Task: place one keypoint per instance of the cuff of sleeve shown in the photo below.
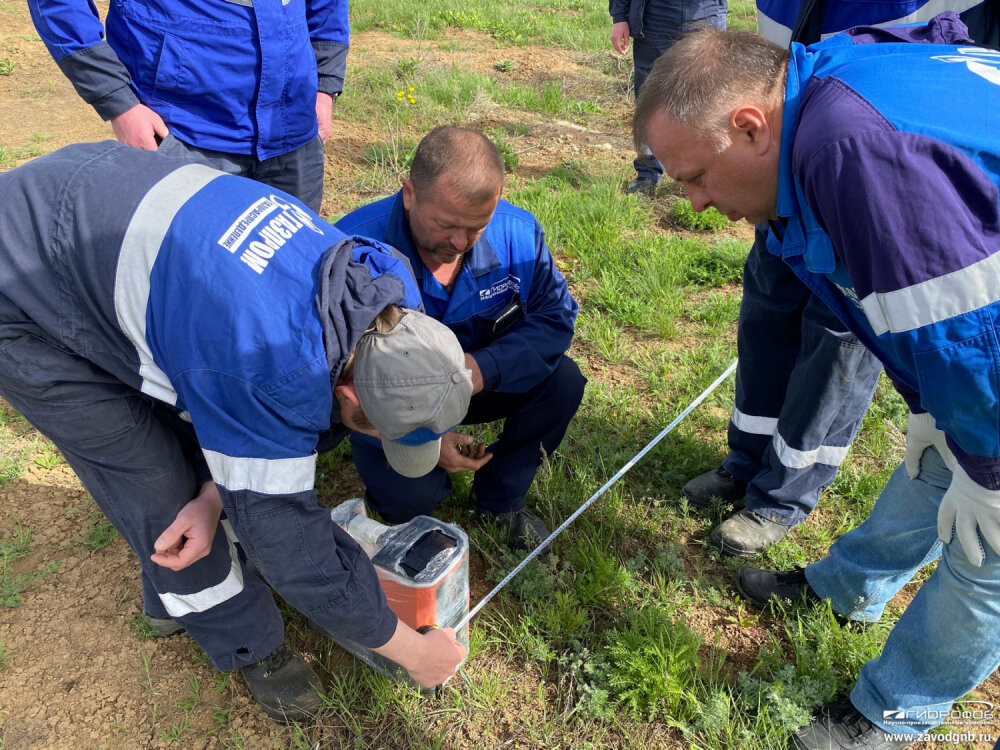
(100, 79)
(488, 368)
(331, 64)
(982, 470)
(382, 629)
(619, 18)
(115, 103)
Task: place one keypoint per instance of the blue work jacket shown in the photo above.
(238, 76)
(508, 265)
(776, 18)
(888, 191)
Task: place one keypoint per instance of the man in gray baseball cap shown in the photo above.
(418, 403)
(190, 340)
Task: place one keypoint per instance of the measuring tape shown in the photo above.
(607, 485)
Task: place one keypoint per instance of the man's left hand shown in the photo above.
(973, 512)
(189, 537)
(324, 114)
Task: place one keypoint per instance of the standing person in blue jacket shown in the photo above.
(189, 339)
(245, 87)
(804, 381)
(654, 25)
(484, 271)
(875, 158)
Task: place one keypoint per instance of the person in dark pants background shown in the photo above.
(485, 272)
(654, 25)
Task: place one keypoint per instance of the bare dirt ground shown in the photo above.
(73, 673)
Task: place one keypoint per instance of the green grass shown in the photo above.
(630, 634)
(14, 545)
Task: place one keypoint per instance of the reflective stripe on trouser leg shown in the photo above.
(768, 341)
(136, 471)
(827, 396)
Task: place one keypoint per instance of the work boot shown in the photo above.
(284, 685)
(760, 587)
(840, 726)
(524, 529)
(715, 483)
(747, 534)
(641, 186)
(163, 627)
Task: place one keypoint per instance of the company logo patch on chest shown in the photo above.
(499, 288)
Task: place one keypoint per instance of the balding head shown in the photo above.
(469, 161)
(707, 74)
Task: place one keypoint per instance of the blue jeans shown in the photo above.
(803, 385)
(662, 23)
(534, 425)
(298, 173)
(945, 643)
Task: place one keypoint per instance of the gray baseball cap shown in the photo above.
(413, 386)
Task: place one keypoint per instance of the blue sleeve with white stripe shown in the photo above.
(919, 233)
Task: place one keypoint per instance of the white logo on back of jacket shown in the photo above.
(269, 235)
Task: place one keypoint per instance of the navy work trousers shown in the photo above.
(535, 423)
(137, 459)
(298, 173)
(803, 386)
(662, 23)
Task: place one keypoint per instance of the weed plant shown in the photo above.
(709, 220)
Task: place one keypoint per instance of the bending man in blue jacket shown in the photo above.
(804, 380)
(484, 271)
(874, 157)
(245, 87)
(189, 339)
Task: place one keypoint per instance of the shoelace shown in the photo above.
(275, 661)
(855, 724)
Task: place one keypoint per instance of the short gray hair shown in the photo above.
(704, 76)
(468, 158)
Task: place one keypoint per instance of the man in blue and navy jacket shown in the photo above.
(189, 339)
(876, 163)
(484, 271)
(245, 87)
(804, 381)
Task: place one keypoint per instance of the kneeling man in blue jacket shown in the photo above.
(483, 270)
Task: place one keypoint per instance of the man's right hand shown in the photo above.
(430, 659)
(139, 127)
(620, 33)
(461, 452)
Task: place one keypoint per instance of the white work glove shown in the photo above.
(921, 434)
(966, 507)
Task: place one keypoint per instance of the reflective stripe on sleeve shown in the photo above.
(141, 245)
(178, 605)
(935, 300)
